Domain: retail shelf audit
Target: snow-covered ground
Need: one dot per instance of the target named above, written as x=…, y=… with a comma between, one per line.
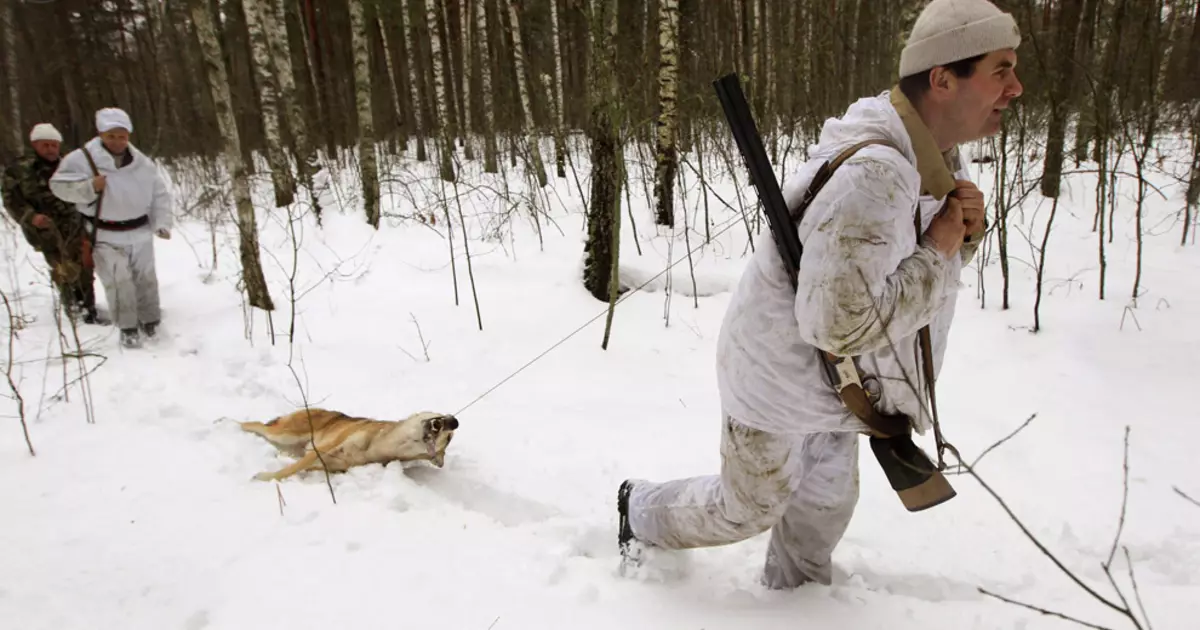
x=149, y=518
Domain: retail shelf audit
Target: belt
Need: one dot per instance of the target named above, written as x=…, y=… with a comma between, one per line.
x=119, y=226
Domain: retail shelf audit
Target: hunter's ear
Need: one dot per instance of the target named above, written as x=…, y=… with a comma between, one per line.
x=942, y=80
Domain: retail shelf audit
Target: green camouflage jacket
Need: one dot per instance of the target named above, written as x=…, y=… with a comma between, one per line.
x=26, y=192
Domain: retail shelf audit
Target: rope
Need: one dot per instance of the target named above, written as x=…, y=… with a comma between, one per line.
x=602, y=313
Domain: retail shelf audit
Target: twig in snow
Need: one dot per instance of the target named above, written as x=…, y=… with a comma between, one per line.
x=1129, y=311
x=8, y=369
x=424, y=344
x=279, y=495
x=1185, y=496
x=1043, y=611
x=1124, y=500
x=997, y=444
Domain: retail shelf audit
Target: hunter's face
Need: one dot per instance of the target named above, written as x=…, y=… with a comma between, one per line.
x=115, y=140
x=47, y=149
x=980, y=100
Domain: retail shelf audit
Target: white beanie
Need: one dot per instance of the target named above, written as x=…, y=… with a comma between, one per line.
x=44, y=131
x=953, y=30
x=112, y=118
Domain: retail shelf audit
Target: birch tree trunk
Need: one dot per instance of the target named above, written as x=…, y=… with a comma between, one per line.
x=408, y=28
x=268, y=90
x=366, y=127
x=560, y=160
x=604, y=215
x=667, y=151
x=465, y=13
x=485, y=81
x=8, y=30
x=445, y=143
x=524, y=88
x=306, y=156
x=218, y=83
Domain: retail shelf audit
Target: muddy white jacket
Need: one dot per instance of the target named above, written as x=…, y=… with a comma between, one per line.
x=768, y=371
x=131, y=191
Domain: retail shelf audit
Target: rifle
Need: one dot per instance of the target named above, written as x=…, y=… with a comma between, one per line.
x=918, y=482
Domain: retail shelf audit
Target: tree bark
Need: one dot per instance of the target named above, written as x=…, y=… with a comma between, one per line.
x=214, y=66
x=440, y=102
x=667, y=150
x=366, y=124
x=306, y=156
x=268, y=90
x=604, y=213
x=485, y=80
x=524, y=87
x=8, y=30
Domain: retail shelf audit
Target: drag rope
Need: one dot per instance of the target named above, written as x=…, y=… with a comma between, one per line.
x=602, y=313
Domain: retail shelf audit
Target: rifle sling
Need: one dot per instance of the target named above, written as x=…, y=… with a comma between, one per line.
x=99, y=198
x=844, y=371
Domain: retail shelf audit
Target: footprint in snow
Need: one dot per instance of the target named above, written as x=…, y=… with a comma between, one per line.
x=478, y=496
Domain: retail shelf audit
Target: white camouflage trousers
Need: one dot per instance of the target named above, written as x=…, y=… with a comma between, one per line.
x=803, y=489
x=130, y=281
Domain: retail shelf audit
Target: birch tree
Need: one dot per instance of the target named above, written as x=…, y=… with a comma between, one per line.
x=445, y=144
x=366, y=126
x=409, y=29
x=524, y=87
x=214, y=67
x=268, y=91
x=466, y=13
x=306, y=156
x=667, y=151
x=560, y=124
x=485, y=80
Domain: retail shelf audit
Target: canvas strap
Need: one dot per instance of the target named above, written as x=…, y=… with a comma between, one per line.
x=100, y=199
x=844, y=371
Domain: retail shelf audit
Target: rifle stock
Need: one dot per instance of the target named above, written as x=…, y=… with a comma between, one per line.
x=911, y=474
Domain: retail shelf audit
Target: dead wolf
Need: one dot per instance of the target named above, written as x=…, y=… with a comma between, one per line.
x=344, y=441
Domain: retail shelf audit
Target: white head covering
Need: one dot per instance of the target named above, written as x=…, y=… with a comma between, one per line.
x=44, y=131
x=112, y=118
x=952, y=30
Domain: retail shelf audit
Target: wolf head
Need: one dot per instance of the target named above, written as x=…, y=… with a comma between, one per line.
x=437, y=429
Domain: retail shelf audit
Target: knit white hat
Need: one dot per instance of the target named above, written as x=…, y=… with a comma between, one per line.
x=44, y=131
x=952, y=30
x=112, y=118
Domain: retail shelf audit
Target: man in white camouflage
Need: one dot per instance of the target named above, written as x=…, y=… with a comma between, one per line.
x=789, y=447
x=134, y=204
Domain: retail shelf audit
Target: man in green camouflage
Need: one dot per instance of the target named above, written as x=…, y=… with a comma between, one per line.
x=51, y=225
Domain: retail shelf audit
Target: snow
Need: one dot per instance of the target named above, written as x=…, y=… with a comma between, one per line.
x=149, y=518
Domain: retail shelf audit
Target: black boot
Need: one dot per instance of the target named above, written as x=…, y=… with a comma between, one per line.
x=91, y=316
x=151, y=329
x=629, y=546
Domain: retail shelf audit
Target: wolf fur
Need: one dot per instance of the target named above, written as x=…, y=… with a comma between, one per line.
x=344, y=441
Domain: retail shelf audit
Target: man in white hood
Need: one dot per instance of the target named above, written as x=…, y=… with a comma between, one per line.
x=789, y=447
x=126, y=200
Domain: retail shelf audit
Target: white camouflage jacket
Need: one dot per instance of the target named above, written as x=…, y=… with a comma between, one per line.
x=130, y=191
x=768, y=371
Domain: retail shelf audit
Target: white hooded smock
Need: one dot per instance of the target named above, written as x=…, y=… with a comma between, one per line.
x=129, y=192
x=768, y=371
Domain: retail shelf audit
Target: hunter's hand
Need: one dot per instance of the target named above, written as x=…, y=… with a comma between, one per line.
x=163, y=233
x=41, y=221
x=947, y=229
x=98, y=183
x=972, y=207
